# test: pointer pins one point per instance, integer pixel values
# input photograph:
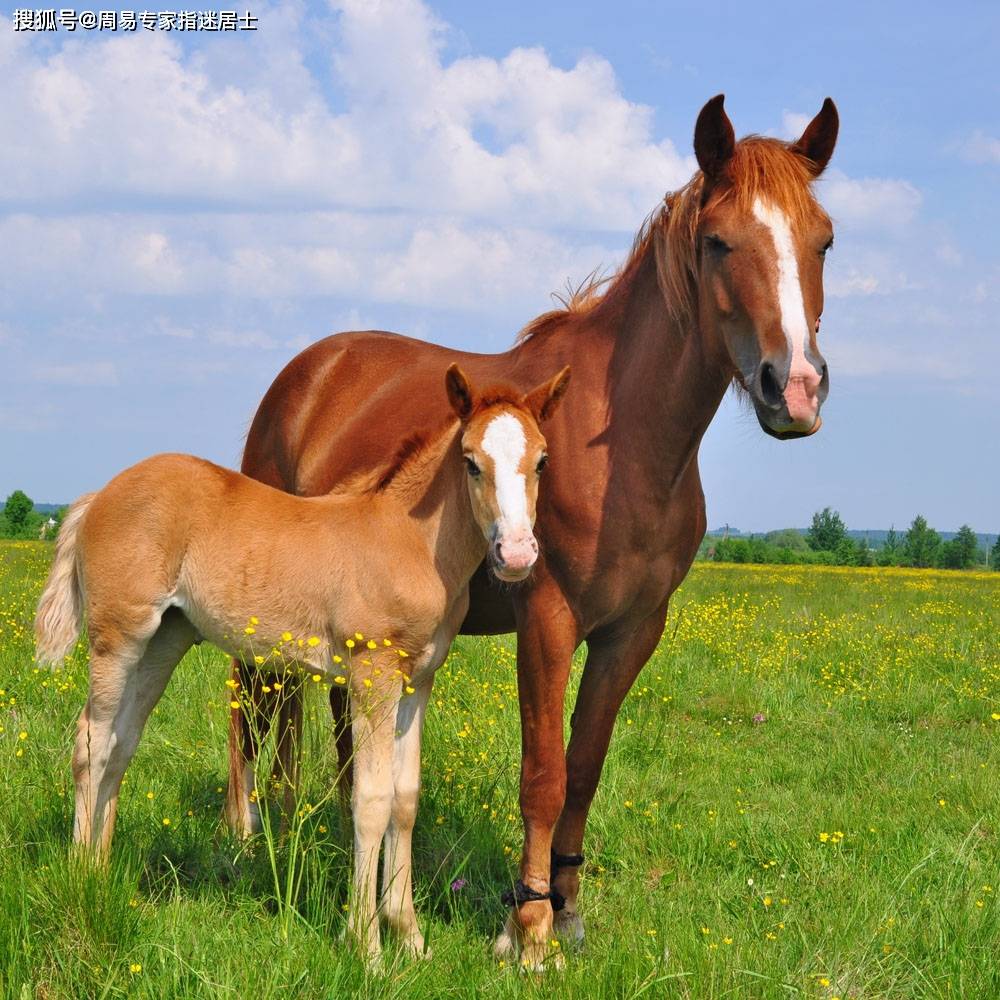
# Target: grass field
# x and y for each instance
(802, 799)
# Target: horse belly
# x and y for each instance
(491, 610)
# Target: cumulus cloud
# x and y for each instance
(512, 139)
(384, 172)
(982, 148)
(869, 202)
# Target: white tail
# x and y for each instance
(57, 621)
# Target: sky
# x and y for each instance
(181, 213)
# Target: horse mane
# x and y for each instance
(760, 167)
(413, 453)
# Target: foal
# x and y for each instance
(176, 549)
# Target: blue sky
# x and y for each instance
(180, 214)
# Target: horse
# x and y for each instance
(724, 285)
(176, 549)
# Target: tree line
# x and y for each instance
(20, 519)
(827, 542)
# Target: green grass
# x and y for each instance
(846, 846)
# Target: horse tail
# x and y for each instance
(60, 609)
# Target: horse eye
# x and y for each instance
(717, 244)
(542, 462)
(474, 469)
(828, 246)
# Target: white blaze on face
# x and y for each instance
(793, 309)
(505, 443)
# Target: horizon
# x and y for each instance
(440, 170)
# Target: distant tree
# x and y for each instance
(995, 554)
(922, 543)
(891, 541)
(968, 544)
(960, 552)
(788, 538)
(845, 552)
(863, 555)
(889, 553)
(16, 510)
(827, 531)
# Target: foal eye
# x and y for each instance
(716, 244)
(474, 469)
(542, 462)
(827, 247)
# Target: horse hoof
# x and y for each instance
(504, 946)
(568, 928)
(543, 962)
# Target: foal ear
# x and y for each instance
(819, 138)
(543, 400)
(714, 139)
(459, 392)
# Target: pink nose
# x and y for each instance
(802, 394)
(515, 553)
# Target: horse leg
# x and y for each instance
(610, 671)
(373, 716)
(124, 688)
(340, 708)
(248, 727)
(546, 639)
(397, 873)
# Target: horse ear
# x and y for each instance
(714, 139)
(459, 392)
(543, 400)
(819, 138)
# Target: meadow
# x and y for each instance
(802, 800)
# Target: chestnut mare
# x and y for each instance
(725, 282)
(176, 549)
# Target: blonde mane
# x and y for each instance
(759, 168)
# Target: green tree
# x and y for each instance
(787, 538)
(827, 531)
(995, 554)
(16, 510)
(922, 543)
(961, 551)
(968, 545)
(889, 553)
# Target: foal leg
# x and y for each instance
(397, 873)
(373, 712)
(123, 691)
(610, 671)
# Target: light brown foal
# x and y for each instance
(176, 549)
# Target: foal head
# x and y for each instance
(761, 241)
(504, 453)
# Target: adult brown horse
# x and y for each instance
(725, 282)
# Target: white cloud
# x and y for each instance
(869, 202)
(136, 116)
(982, 148)
(793, 124)
(135, 167)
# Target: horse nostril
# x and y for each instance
(824, 382)
(770, 390)
(497, 553)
